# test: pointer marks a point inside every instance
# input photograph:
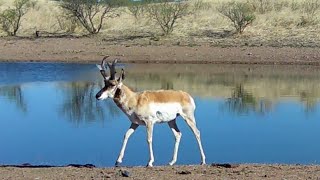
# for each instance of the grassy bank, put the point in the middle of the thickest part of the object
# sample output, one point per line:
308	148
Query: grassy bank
278	23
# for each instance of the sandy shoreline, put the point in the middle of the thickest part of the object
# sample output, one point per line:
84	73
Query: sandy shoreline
88	50
242	171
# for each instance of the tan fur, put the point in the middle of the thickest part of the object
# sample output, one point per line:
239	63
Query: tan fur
160	96
163	96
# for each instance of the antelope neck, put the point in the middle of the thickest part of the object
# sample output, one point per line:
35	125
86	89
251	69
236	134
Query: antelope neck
122	95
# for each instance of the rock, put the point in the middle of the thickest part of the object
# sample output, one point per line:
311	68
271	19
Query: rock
226	165
124	173
184	172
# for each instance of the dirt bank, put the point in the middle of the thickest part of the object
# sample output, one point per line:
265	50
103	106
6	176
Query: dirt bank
93	49
243	171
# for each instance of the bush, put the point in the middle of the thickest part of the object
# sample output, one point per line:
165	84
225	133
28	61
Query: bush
10	19
136	9
67	23
90	13
166	13
241	14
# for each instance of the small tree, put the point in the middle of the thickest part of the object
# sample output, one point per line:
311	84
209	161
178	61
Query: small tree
166	13
240	13
10	19
90	13
136	9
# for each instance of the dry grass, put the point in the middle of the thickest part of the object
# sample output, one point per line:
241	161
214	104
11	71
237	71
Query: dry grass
283	20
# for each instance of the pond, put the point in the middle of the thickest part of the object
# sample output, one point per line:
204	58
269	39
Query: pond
246	114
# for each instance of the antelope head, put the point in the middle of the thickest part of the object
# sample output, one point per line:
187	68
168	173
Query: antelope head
111	84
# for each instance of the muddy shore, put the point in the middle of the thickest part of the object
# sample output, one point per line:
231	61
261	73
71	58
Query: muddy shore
90	50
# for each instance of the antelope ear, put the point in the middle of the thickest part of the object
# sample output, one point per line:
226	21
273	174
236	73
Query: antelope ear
99	67
122	76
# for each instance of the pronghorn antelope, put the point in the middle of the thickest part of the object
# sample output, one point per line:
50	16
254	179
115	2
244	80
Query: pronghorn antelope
148	108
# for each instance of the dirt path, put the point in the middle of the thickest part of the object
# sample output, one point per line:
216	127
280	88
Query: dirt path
92	50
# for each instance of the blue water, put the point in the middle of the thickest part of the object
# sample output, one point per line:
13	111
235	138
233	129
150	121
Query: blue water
48	115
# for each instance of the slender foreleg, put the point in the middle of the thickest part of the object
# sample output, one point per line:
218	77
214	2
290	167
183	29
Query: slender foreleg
149	126
131	130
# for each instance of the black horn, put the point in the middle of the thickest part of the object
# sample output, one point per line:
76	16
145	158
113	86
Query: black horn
103	67
112	68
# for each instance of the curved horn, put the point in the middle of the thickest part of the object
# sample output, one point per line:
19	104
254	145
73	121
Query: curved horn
103	63
112	68
102	67
122	75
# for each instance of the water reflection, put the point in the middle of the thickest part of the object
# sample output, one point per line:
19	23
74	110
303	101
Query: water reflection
242	102
264	110
79	103
14	94
309	100
244	89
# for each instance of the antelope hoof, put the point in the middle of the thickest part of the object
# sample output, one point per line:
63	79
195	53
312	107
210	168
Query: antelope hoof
117	164
203	163
171	163
149	165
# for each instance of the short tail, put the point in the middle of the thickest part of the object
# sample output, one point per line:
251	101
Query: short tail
192	103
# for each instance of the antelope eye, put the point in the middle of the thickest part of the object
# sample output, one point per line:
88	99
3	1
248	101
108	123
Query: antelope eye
112	84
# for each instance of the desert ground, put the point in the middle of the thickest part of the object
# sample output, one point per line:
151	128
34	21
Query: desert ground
214	171
92	50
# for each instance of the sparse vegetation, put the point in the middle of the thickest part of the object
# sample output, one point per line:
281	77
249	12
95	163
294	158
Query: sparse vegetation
309	9
241	14
67	23
89	13
137	9
274	20
262	6
166	13
10	18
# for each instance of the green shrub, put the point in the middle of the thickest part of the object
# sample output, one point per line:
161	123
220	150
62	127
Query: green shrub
90	13
137	9
10	19
241	14
166	13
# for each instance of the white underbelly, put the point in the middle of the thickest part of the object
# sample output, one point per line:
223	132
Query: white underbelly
163	112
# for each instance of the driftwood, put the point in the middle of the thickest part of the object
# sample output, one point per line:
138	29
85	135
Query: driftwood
52	34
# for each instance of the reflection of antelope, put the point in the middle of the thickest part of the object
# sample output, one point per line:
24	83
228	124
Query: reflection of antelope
147	108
